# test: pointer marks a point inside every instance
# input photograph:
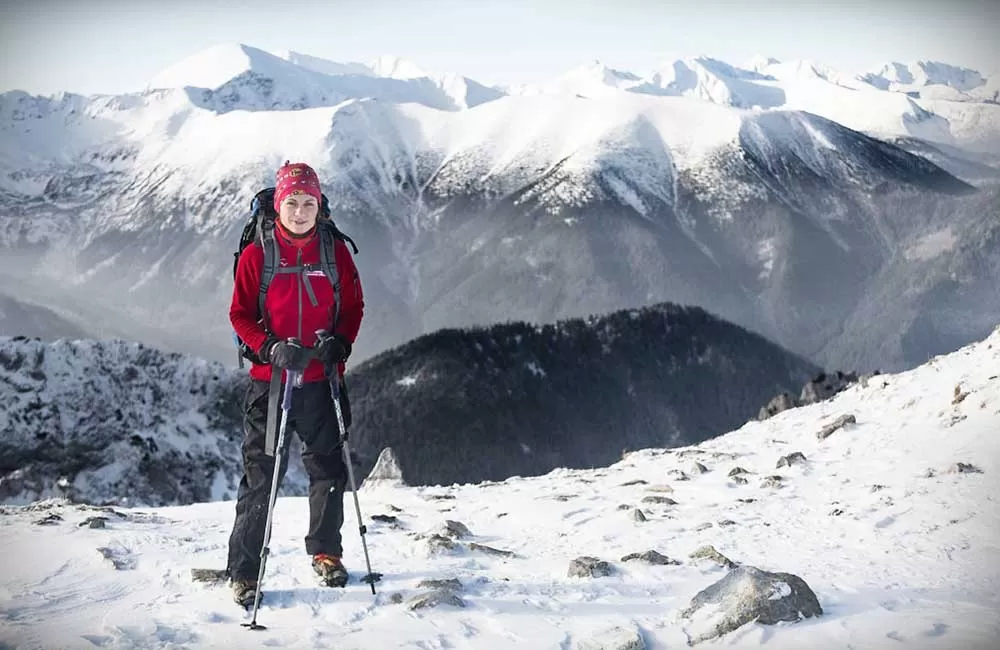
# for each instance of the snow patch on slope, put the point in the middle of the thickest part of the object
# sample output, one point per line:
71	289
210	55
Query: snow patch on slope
933	245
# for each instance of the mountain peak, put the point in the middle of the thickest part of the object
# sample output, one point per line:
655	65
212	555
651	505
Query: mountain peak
214	66
759	63
592	77
396	67
897	75
720	68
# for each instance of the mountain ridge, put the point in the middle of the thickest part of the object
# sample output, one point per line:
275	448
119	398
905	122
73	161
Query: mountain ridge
519	399
658	198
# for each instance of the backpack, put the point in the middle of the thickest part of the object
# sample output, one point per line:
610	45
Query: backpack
260	228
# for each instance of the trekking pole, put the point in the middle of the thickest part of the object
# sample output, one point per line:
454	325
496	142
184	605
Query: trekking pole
331	372
371	578
291	379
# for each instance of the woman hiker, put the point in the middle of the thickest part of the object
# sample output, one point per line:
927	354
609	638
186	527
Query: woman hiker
300	301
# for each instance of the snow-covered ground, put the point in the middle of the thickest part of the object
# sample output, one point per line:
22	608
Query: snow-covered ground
899	546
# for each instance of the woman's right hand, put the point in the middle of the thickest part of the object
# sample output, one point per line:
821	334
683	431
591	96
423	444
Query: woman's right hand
290	354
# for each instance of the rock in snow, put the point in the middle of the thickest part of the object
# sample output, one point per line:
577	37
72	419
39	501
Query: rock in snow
440	592
589	567
386	468
650	556
615	638
748	594
710	553
839	423
791	459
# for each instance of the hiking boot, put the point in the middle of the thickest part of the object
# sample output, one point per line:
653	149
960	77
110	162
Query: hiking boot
330	570
244	592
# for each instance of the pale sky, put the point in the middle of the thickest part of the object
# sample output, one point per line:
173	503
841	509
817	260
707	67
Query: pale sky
115	46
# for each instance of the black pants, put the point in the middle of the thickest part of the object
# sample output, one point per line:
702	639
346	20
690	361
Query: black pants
314	419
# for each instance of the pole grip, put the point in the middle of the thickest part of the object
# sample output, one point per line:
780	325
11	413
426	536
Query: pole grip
291	381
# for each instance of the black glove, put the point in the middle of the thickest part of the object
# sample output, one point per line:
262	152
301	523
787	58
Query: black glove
332	349
264	352
289	354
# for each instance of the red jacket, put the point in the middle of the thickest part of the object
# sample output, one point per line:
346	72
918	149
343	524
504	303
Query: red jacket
286	297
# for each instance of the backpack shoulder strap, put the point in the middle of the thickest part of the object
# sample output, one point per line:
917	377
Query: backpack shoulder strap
265	237
271	257
348	240
328	262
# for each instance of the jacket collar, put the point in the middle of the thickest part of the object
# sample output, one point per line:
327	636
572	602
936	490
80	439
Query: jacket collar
297	242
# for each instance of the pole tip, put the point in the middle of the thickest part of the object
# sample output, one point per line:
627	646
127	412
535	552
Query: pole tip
254	625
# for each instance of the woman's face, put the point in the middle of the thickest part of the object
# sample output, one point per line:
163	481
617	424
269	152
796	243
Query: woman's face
298	213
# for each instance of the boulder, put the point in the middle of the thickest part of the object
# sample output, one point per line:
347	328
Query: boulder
489	550
94	522
440	592
450	584
650	557
434	598
386	469
791	459
709	553
839	423
774	481
615	638
589	567
438	543
666	501
822	387
747	594
780	402
454	530
826	385
964	468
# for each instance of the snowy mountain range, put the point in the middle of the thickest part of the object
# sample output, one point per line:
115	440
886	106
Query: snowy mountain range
868	520
928	100
781	196
239	77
